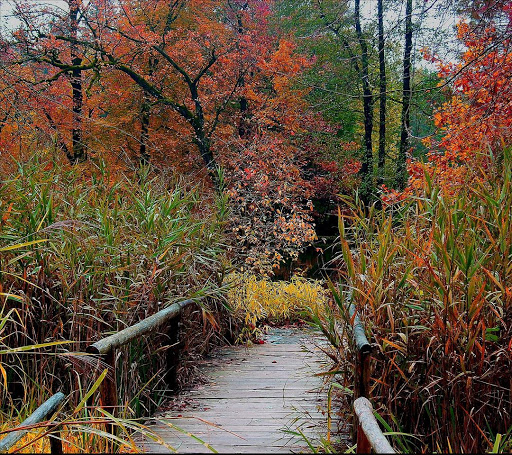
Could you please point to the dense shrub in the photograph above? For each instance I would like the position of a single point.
(255, 301)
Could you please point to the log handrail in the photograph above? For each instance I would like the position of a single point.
(105, 345)
(370, 427)
(47, 408)
(106, 349)
(363, 354)
(361, 342)
(368, 433)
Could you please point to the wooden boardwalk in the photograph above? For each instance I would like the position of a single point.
(252, 399)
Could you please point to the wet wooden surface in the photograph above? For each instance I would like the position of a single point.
(254, 400)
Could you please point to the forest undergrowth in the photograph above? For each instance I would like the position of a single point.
(431, 278)
(85, 254)
(258, 301)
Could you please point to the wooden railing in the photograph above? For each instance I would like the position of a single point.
(369, 435)
(105, 349)
(363, 354)
(31, 423)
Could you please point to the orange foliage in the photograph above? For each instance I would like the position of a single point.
(477, 119)
(198, 83)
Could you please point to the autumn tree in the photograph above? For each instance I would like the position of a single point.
(339, 29)
(48, 38)
(270, 194)
(476, 121)
(191, 86)
(220, 74)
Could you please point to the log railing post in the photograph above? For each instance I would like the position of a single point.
(108, 388)
(173, 354)
(362, 371)
(56, 442)
(362, 389)
(363, 445)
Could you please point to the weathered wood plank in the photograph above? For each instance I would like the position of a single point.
(183, 448)
(230, 421)
(252, 398)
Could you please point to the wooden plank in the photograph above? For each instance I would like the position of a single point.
(253, 397)
(222, 423)
(248, 394)
(259, 412)
(228, 421)
(225, 418)
(244, 431)
(259, 374)
(237, 437)
(273, 397)
(254, 381)
(268, 449)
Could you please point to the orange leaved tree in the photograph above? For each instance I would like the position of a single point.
(476, 121)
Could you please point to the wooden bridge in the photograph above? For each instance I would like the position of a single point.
(262, 399)
(267, 398)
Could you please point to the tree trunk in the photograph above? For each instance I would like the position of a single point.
(145, 113)
(144, 155)
(401, 169)
(382, 95)
(203, 144)
(79, 154)
(244, 128)
(58, 139)
(202, 139)
(367, 186)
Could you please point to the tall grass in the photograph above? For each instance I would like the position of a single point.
(433, 282)
(85, 252)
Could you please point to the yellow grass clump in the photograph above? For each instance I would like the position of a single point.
(73, 441)
(256, 300)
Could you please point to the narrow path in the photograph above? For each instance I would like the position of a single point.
(253, 398)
